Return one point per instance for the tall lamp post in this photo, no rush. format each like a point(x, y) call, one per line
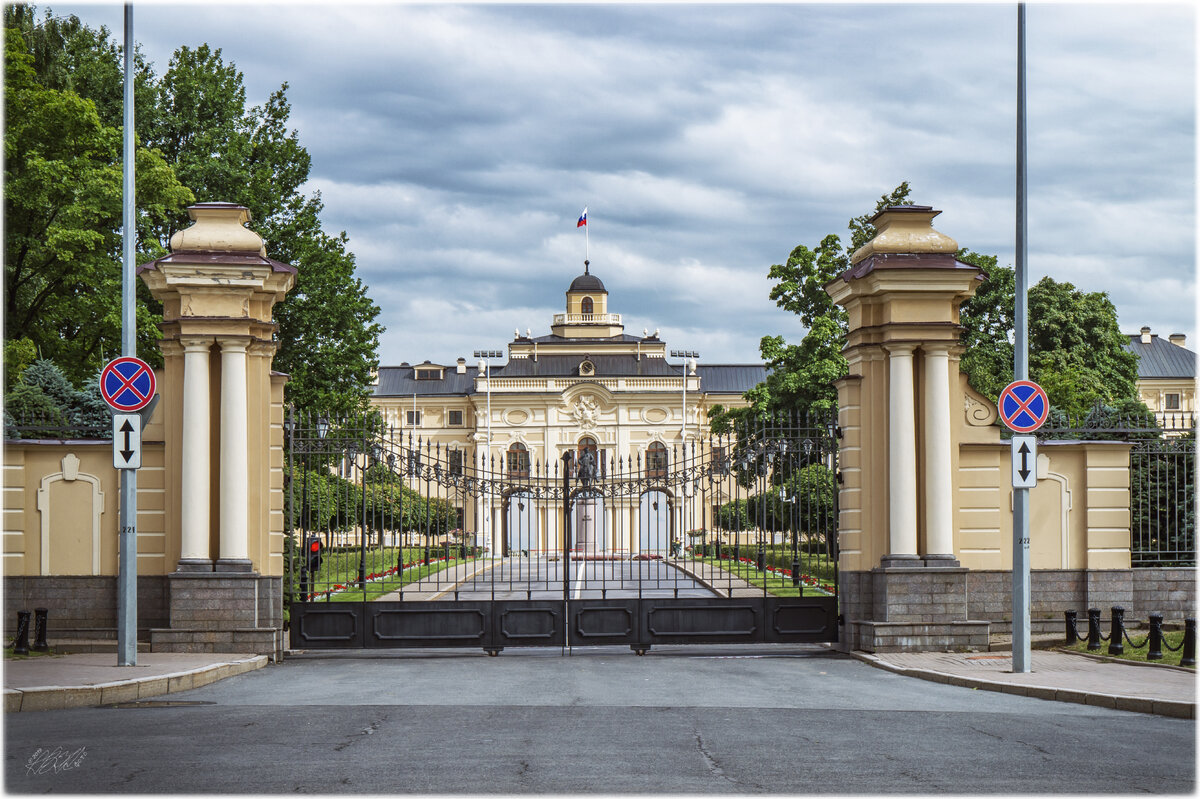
point(485, 368)
point(690, 357)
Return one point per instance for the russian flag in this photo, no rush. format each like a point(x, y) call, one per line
point(582, 218)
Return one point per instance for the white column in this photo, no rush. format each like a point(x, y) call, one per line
point(195, 501)
point(234, 554)
point(939, 509)
point(902, 454)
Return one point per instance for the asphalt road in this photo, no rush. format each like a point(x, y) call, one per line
point(540, 578)
point(787, 720)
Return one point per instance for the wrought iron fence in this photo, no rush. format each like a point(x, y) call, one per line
point(379, 514)
point(1162, 477)
point(61, 426)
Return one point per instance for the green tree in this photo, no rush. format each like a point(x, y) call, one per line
point(328, 333)
point(1076, 348)
point(63, 104)
point(62, 207)
point(987, 320)
point(801, 376)
point(45, 398)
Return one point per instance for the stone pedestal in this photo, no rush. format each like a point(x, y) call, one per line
point(586, 509)
point(909, 608)
point(222, 612)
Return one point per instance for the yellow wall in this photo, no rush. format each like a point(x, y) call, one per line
point(73, 529)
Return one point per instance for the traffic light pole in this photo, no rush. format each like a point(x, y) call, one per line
point(127, 522)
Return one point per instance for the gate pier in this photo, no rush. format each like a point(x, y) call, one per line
point(902, 585)
point(222, 410)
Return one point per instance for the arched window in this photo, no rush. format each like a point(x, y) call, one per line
point(656, 460)
point(518, 460)
point(586, 305)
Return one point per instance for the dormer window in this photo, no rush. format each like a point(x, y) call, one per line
point(585, 306)
point(428, 373)
point(587, 369)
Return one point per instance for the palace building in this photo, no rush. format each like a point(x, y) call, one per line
point(586, 386)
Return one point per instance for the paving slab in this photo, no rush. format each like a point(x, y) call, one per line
point(91, 679)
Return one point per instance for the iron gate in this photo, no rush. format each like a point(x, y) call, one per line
point(402, 541)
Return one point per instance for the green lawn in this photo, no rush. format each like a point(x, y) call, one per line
point(775, 584)
point(1170, 658)
point(341, 567)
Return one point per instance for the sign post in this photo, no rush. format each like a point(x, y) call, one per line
point(1023, 407)
point(127, 385)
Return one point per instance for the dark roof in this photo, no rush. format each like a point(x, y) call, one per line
point(731, 378)
point(1161, 359)
point(397, 381)
point(587, 282)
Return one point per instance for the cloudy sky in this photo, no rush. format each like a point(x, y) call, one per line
point(457, 145)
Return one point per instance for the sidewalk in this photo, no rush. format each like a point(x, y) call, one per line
point(90, 679)
point(1059, 676)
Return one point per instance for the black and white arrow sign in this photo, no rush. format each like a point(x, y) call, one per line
point(127, 441)
point(1024, 461)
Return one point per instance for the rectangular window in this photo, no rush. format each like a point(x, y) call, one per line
point(1171, 402)
point(454, 418)
point(518, 463)
point(412, 418)
point(459, 513)
point(429, 374)
point(456, 463)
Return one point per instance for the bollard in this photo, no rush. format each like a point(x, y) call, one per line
point(1155, 652)
point(795, 573)
point(21, 644)
point(39, 630)
point(761, 561)
point(1093, 629)
point(1072, 634)
point(1189, 643)
point(1116, 635)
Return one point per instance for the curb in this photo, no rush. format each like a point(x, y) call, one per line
point(1158, 707)
point(58, 697)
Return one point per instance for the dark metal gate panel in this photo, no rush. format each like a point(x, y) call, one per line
point(426, 624)
point(702, 621)
point(535, 622)
point(793, 620)
point(600, 622)
point(316, 625)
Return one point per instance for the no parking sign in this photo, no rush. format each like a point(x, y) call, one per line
point(1023, 406)
point(127, 384)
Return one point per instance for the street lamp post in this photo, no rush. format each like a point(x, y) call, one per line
point(486, 368)
point(692, 355)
